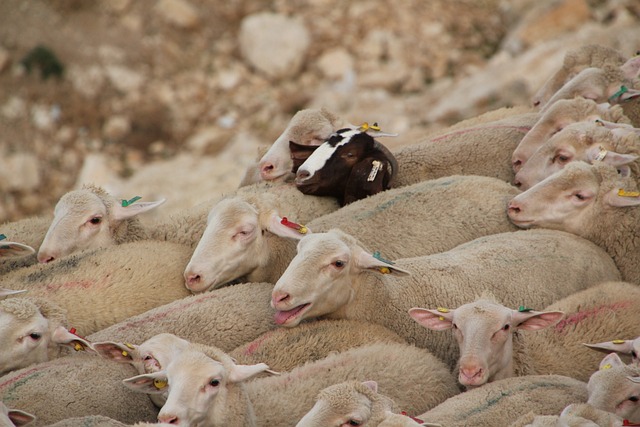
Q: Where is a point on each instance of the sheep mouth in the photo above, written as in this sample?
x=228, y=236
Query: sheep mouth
x=522, y=223
x=287, y=316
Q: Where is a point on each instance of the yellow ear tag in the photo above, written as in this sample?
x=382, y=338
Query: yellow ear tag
x=78, y=347
x=607, y=366
x=384, y=270
x=303, y=229
x=159, y=384
x=624, y=193
x=442, y=310
x=131, y=346
x=440, y=318
x=618, y=341
x=124, y=353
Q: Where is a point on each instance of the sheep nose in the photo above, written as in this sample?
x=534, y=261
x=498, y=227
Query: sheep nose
x=168, y=419
x=43, y=259
x=471, y=372
x=193, y=280
x=517, y=183
x=514, y=209
x=266, y=168
x=302, y=174
x=516, y=164
x=279, y=297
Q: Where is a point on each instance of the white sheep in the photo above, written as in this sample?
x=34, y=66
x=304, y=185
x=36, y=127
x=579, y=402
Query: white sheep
x=105, y=286
x=615, y=388
x=559, y=115
x=28, y=231
x=307, y=127
x=582, y=141
x=91, y=218
x=483, y=149
x=334, y=276
x=32, y=330
x=102, y=421
x=576, y=60
x=283, y=400
x=495, y=341
x=574, y=415
x=75, y=386
x=245, y=237
x=227, y=318
x=14, y=417
x=503, y=402
x=592, y=201
x=355, y=403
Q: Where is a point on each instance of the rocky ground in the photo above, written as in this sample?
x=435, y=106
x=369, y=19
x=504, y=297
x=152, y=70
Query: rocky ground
x=173, y=98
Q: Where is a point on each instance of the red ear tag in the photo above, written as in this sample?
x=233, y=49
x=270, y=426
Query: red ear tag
x=298, y=227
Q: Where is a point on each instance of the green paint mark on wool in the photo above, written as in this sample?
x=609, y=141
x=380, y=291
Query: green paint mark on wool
x=492, y=401
x=383, y=206
x=10, y=394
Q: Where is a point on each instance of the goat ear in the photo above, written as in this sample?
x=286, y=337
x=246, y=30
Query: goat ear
x=275, y=224
x=20, y=418
x=436, y=320
x=133, y=209
x=614, y=198
x=367, y=261
x=611, y=360
x=62, y=336
x=122, y=353
x=618, y=346
x=244, y=372
x=535, y=320
x=12, y=249
x=154, y=383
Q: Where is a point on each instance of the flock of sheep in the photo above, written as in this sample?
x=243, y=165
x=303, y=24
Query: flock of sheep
x=421, y=301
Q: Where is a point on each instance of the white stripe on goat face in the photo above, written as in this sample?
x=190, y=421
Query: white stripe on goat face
x=323, y=153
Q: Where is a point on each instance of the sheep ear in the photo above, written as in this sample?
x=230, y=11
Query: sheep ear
x=154, y=383
x=619, y=346
x=276, y=225
x=244, y=372
x=366, y=261
x=634, y=379
x=13, y=249
x=620, y=199
x=595, y=152
x=20, y=418
x=5, y=292
x=302, y=151
x=120, y=212
x=436, y=320
x=122, y=353
x=611, y=360
x=535, y=320
x=64, y=337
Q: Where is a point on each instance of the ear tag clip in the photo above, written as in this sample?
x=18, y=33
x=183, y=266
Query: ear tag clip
x=376, y=166
x=366, y=126
x=159, y=384
x=2, y=237
x=76, y=346
x=129, y=202
x=442, y=310
x=624, y=193
x=298, y=227
x=601, y=154
x=605, y=367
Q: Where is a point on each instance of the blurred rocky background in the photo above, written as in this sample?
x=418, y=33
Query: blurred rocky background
x=173, y=98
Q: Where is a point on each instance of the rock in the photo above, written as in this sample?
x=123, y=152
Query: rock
x=116, y=127
x=43, y=116
x=14, y=108
x=274, y=44
x=87, y=81
x=336, y=63
x=19, y=172
x=4, y=59
x=208, y=139
x=179, y=13
x=124, y=79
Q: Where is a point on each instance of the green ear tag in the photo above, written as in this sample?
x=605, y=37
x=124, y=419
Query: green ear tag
x=377, y=256
x=129, y=202
x=2, y=237
x=523, y=309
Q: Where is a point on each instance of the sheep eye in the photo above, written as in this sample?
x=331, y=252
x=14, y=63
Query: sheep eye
x=147, y=358
x=95, y=220
x=454, y=326
x=579, y=196
x=634, y=398
x=214, y=383
x=338, y=264
x=634, y=354
x=353, y=423
x=506, y=327
x=35, y=336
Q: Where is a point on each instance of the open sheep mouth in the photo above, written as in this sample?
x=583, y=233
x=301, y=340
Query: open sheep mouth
x=284, y=317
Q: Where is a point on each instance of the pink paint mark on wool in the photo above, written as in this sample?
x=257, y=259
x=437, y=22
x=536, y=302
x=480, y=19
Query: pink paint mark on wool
x=167, y=312
x=523, y=129
x=28, y=373
x=575, y=318
x=78, y=284
x=255, y=344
